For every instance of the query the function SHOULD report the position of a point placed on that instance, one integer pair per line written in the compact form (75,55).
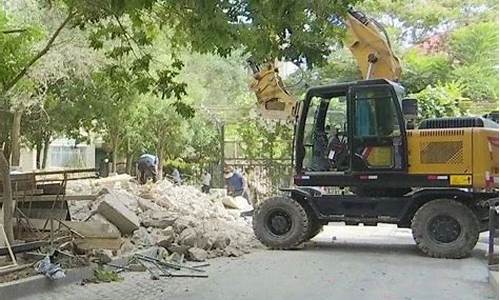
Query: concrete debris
(142,238)
(158,219)
(179,218)
(236,203)
(180,249)
(188,237)
(145,205)
(114,211)
(197,254)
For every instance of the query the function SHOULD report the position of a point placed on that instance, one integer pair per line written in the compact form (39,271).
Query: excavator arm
(370,46)
(367,41)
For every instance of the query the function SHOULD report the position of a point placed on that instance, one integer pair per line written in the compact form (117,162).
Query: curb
(493,281)
(40,284)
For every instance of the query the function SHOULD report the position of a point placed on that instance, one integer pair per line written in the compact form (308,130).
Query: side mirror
(409,107)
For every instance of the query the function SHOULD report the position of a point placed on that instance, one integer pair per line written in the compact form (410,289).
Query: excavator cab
(355,127)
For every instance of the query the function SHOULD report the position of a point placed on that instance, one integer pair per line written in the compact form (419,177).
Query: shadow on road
(361,247)
(376,248)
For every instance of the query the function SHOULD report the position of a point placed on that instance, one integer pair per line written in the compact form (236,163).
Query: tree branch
(8,31)
(39,55)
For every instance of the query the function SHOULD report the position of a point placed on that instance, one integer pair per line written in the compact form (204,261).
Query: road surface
(341,263)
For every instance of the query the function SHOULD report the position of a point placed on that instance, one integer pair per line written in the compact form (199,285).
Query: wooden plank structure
(4,239)
(42,195)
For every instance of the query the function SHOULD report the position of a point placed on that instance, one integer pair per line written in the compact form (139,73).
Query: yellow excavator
(360,137)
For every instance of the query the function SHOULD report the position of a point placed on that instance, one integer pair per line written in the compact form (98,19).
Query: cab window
(375,114)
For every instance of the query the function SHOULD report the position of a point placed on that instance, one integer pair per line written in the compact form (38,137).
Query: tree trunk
(114,151)
(7,198)
(15,137)
(38,149)
(159,153)
(46,145)
(129,158)
(115,157)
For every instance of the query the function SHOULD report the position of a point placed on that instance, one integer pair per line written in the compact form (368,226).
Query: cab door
(376,129)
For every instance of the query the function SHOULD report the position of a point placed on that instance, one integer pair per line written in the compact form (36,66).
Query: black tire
(445,228)
(280,223)
(314,229)
(380,192)
(315,226)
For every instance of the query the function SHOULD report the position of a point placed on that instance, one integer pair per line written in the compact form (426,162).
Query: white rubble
(181,219)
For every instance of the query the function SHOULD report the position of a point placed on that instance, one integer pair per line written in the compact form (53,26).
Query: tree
(474,50)
(422,70)
(163,127)
(442,100)
(414,21)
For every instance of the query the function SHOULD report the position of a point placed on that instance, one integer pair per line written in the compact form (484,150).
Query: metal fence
(264,176)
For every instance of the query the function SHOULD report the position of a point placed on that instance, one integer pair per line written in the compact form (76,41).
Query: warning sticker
(460,179)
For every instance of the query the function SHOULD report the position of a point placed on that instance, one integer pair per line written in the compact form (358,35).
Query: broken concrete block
(221,242)
(180,249)
(115,212)
(197,254)
(142,237)
(236,203)
(167,237)
(158,219)
(188,237)
(127,247)
(184,222)
(231,251)
(145,205)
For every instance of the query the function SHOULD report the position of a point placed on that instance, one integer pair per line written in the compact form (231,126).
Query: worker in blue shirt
(235,183)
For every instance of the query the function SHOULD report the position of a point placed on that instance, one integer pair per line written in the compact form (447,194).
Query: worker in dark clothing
(234,182)
(336,150)
(147,168)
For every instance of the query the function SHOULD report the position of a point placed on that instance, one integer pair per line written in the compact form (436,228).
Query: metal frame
(354,209)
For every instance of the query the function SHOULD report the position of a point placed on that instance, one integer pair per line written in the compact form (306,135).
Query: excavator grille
(448,152)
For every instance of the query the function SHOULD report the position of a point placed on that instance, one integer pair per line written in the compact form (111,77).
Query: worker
(147,168)
(176,176)
(205,181)
(336,150)
(235,183)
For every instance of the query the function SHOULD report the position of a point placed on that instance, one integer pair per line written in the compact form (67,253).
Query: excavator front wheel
(280,223)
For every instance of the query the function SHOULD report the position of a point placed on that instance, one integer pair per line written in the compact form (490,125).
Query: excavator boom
(370,46)
(367,41)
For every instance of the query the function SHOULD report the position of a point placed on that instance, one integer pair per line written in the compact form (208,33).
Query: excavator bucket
(274,102)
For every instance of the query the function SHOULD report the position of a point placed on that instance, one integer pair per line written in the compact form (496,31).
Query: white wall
(62,154)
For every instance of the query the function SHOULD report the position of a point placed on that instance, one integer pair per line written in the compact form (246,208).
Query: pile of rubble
(180,219)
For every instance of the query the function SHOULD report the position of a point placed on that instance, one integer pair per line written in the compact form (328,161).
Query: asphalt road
(358,263)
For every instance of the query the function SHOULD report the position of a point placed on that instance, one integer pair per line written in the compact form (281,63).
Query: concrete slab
(118,214)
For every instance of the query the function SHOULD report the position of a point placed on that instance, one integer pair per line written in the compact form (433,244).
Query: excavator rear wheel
(280,223)
(445,228)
